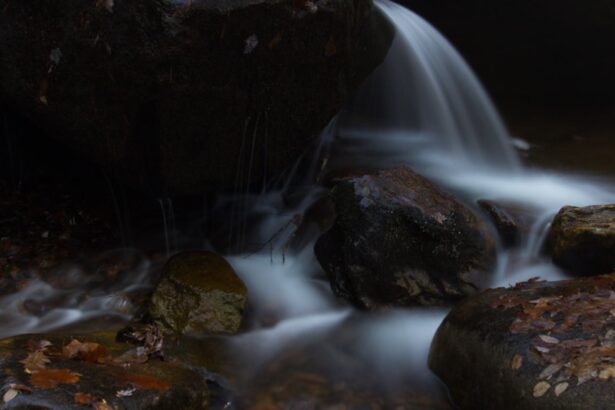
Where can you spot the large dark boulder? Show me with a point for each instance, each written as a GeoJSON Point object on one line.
{"type": "Point", "coordinates": [539, 345]}
{"type": "Point", "coordinates": [582, 240]}
{"type": "Point", "coordinates": [182, 97]}
{"type": "Point", "coordinates": [399, 240]}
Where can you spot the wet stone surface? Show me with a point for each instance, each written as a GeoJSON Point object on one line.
{"type": "Point", "coordinates": [582, 240]}
{"type": "Point", "coordinates": [539, 345]}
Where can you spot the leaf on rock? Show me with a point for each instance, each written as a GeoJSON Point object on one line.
{"type": "Point", "coordinates": [35, 361]}
{"type": "Point", "coordinates": [102, 405]}
{"type": "Point", "coordinates": [34, 345]}
{"type": "Point", "coordinates": [143, 381]}
{"type": "Point", "coordinates": [607, 373]}
{"type": "Point", "coordinates": [88, 351]}
{"type": "Point", "coordinates": [541, 388]}
{"type": "Point", "coordinates": [84, 398]}
{"type": "Point", "coordinates": [10, 395]}
{"type": "Point", "coordinates": [516, 362]}
{"type": "Point", "coordinates": [126, 392]}
{"type": "Point", "coordinates": [52, 378]}
{"type": "Point", "coordinates": [550, 370]}
{"type": "Point", "coordinates": [21, 388]}
{"type": "Point", "coordinates": [560, 388]}
{"type": "Point", "coordinates": [549, 339]}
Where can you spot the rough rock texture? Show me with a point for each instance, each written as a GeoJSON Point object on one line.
{"type": "Point", "coordinates": [199, 293]}
{"type": "Point", "coordinates": [156, 384]}
{"type": "Point", "coordinates": [582, 240]}
{"type": "Point", "coordinates": [181, 99]}
{"type": "Point", "coordinates": [539, 345]}
{"type": "Point", "coordinates": [399, 240]}
{"type": "Point", "coordinates": [511, 221]}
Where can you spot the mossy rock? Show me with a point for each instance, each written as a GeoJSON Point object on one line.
{"type": "Point", "coordinates": [582, 240]}
{"type": "Point", "coordinates": [199, 293]}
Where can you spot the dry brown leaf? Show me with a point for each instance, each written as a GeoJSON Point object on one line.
{"type": "Point", "coordinates": [52, 378]}
{"type": "Point", "coordinates": [36, 360]}
{"type": "Point", "coordinates": [607, 373]}
{"type": "Point", "coordinates": [560, 388]}
{"type": "Point", "coordinates": [102, 405]}
{"type": "Point", "coordinates": [34, 345]}
{"type": "Point", "coordinates": [10, 395]}
{"type": "Point", "coordinates": [550, 370]}
{"type": "Point", "coordinates": [88, 351]}
{"type": "Point", "coordinates": [516, 362]}
{"type": "Point", "coordinates": [541, 388]}
{"type": "Point", "coordinates": [143, 381]}
{"type": "Point", "coordinates": [21, 388]}
{"type": "Point", "coordinates": [549, 339]}
{"type": "Point", "coordinates": [84, 398]}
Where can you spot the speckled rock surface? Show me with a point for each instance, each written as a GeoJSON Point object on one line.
{"type": "Point", "coordinates": [582, 240]}
{"type": "Point", "coordinates": [399, 240]}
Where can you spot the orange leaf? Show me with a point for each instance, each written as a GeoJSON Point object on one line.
{"type": "Point", "coordinates": [52, 378]}
{"type": "Point", "coordinates": [83, 398]}
{"type": "Point", "coordinates": [517, 362]}
{"type": "Point", "coordinates": [88, 351]}
{"type": "Point", "coordinates": [143, 381]}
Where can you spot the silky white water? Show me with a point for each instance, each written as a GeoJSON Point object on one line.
{"type": "Point", "coordinates": [423, 107]}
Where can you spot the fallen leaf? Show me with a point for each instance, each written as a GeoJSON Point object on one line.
{"type": "Point", "coordinates": [549, 339]}
{"type": "Point", "coordinates": [550, 370]}
{"type": "Point", "coordinates": [52, 378]}
{"type": "Point", "coordinates": [608, 373]}
{"type": "Point", "coordinates": [143, 381]}
{"type": "Point", "coordinates": [560, 388]}
{"type": "Point", "coordinates": [10, 395]}
{"type": "Point", "coordinates": [516, 362]}
{"type": "Point", "coordinates": [102, 405]}
{"type": "Point", "coordinates": [36, 360]}
{"type": "Point", "coordinates": [21, 388]}
{"type": "Point", "coordinates": [84, 398]}
{"type": "Point", "coordinates": [125, 392]}
{"type": "Point", "coordinates": [34, 345]}
{"type": "Point", "coordinates": [541, 388]}
{"type": "Point", "coordinates": [88, 351]}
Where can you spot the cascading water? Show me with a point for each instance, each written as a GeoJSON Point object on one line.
{"type": "Point", "coordinates": [423, 108]}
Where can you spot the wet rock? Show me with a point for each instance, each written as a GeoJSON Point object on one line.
{"type": "Point", "coordinates": [582, 240]}
{"type": "Point", "coordinates": [512, 221]}
{"type": "Point", "coordinates": [199, 293]}
{"type": "Point", "coordinates": [177, 97]}
{"type": "Point", "coordinates": [539, 345]}
{"type": "Point", "coordinates": [398, 240]}
{"type": "Point", "coordinates": [72, 383]}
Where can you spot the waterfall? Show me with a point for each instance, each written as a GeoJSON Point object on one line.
{"type": "Point", "coordinates": [427, 99]}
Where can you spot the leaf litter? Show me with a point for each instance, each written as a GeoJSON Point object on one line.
{"type": "Point", "coordinates": [574, 331]}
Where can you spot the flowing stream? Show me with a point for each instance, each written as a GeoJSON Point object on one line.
{"type": "Point", "coordinates": [423, 107]}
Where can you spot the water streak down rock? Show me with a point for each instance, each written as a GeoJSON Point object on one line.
{"type": "Point", "coordinates": [185, 97]}
{"type": "Point", "coordinates": [399, 240]}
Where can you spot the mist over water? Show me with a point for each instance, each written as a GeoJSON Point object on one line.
{"type": "Point", "coordinates": [423, 108]}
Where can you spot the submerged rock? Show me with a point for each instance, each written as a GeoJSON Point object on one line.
{"type": "Point", "coordinates": [539, 345]}
{"type": "Point", "coordinates": [399, 240]}
{"type": "Point", "coordinates": [512, 221]}
{"type": "Point", "coordinates": [582, 240]}
{"type": "Point", "coordinates": [178, 97]}
{"type": "Point", "coordinates": [199, 293]}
